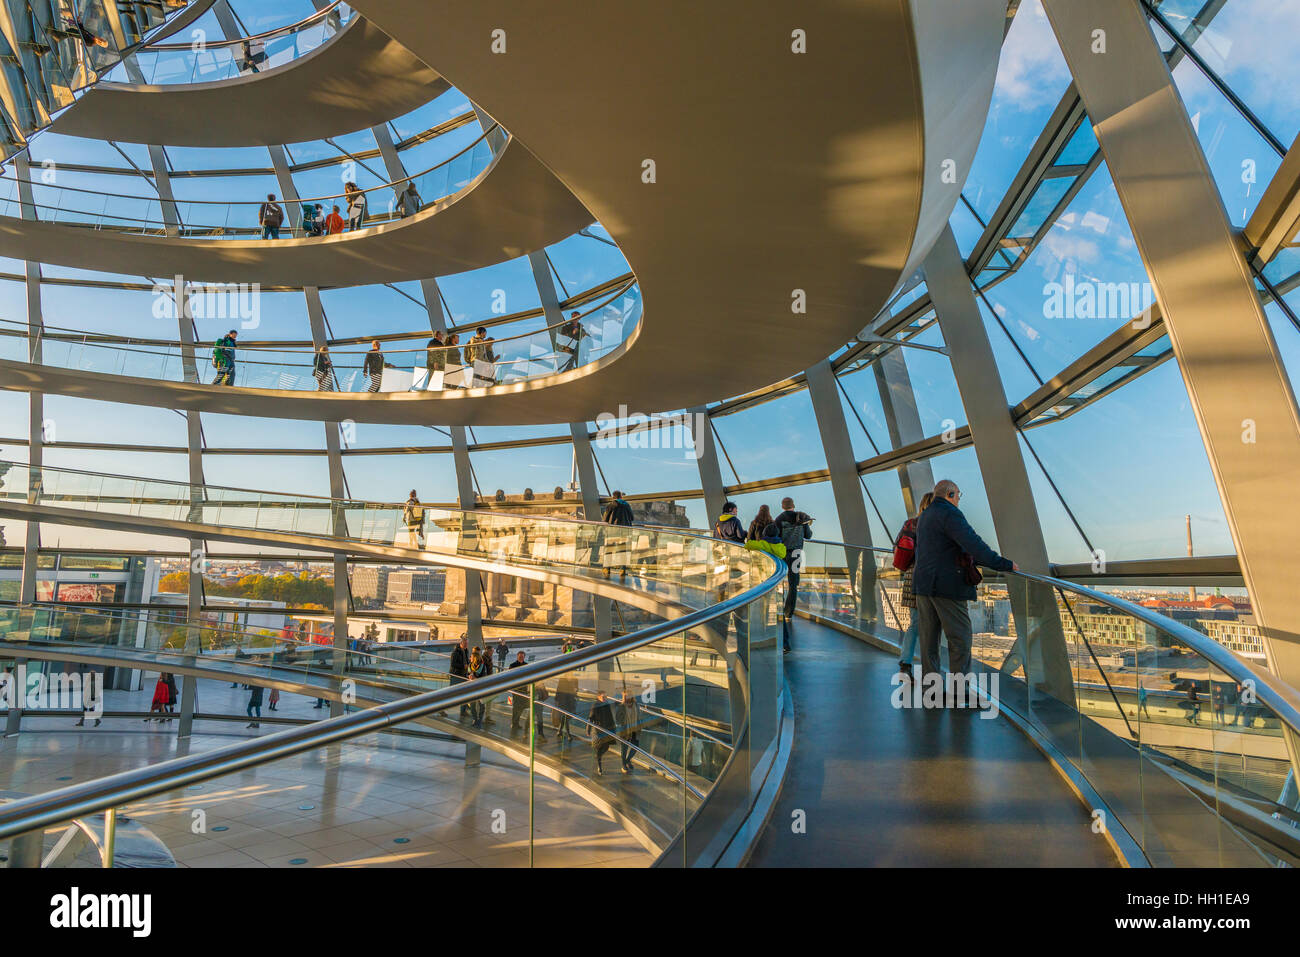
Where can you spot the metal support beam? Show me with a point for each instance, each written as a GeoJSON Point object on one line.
{"type": "Point", "coordinates": [1238, 387]}
{"type": "Point", "coordinates": [1040, 636]}
{"type": "Point", "coordinates": [855, 529]}
{"type": "Point", "coordinates": [226, 19]}
{"type": "Point", "coordinates": [550, 299]}
{"type": "Point", "coordinates": [166, 197]}
{"type": "Point", "coordinates": [602, 609]}
{"type": "Point", "coordinates": [35, 426]}
{"type": "Point", "coordinates": [468, 501]}
{"type": "Point", "coordinates": [1276, 219]}
{"type": "Point", "coordinates": [706, 455]}
{"type": "Point", "coordinates": [904, 423]}
{"type": "Point", "coordinates": [198, 548]}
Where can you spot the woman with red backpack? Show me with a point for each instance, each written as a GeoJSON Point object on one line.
{"type": "Point", "coordinates": [905, 561]}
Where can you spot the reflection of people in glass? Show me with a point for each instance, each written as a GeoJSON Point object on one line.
{"type": "Point", "coordinates": [572, 332]}
{"type": "Point", "coordinates": [1192, 705]}
{"type": "Point", "coordinates": [1142, 700]}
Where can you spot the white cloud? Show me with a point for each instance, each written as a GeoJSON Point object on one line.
{"type": "Point", "coordinates": [1031, 65]}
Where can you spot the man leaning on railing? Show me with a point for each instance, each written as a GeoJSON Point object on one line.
{"type": "Point", "coordinates": [945, 576]}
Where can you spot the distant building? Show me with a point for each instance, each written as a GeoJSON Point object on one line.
{"type": "Point", "coordinates": [1102, 624]}
{"type": "Point", "coordinates": [1240, 636]}
{"type": "Point", "coordinates": [370, 583]}
{"type": "Point", "coordinates": [416, 587]}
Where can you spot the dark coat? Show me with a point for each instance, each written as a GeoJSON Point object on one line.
{"type": "Point", "coordinates": [942, 535]}
{"type": "Point", "coordinates": [602, 715]}
{"type": "Point", "coordinates": [618, 512]}
{"type": "Point", "coordinates": [373, 364]}
{"type": "Point", "coordinates": [729, 529]}
{"type": "Point", "coordinates": [459, 661]}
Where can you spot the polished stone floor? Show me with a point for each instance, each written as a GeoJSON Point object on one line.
{"type": "Point", "coordinates": [875, 785]}
{"type": "Point", "coordinates": [382, 801]}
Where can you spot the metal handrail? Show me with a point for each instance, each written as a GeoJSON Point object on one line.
{"type": "Point", "coordinates": [43, 810]}
{"type": "Point", "coordinates": [310, 352]}
{"type": "Point", "coordinates": [296, 500]}
{"type": "Point", "coordinates": [300, 201]}
{"type": "Point", "coordinates": [604, 292]}
{"type": "Point", "coordinates": [1275, 693]}
{"type": "Point", "coordinates": [267, 35]}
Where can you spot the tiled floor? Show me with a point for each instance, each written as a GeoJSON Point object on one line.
{"type": "Point", "coordinates": [380, 802]}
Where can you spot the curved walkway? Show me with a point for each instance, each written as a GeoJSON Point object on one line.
{"type": "Point", "coordinates": [513, 206]}
{"type": "Point", "coordinates": [889, 787]}
{"type": "Point", "coordinates": [360, 78]}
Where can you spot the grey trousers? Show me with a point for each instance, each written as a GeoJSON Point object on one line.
{"type": "Point", "coordinates": [952, 617]}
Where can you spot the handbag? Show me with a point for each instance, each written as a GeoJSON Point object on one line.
{"type": "Point", "coordinates": [970, 573]}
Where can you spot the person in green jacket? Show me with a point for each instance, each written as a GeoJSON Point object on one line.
{"type": "Point", "coordinates": [223, 357]}
{"type": "Point", "coordinates": [772, 544]}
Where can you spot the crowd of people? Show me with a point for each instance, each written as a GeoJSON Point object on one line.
{"type": "Point", "coordinates": [782, 537]}
{"type": "Point", "coordinates": [447, 364]}
{"type": "Point", "coordinates": [314, 222]}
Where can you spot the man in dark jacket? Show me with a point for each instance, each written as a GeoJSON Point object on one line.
{"type": "Point", "coordinates": [601, 724]}
{"type": "Point", "coordinates": [518, 696]}
{"type": "Point", "coordinates": [943, 537]}
{"type": "Point", "coordinates": [728, 527]}
{"type": "Point", "coordinates": [459, 667]}
{"type": "Point", "coordinates": [795, 527]}
{"type": "Point", "coordinates": [618, 512]}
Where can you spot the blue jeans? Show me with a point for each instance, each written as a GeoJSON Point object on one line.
{"type": "Point", "coordinates": [269, 230]}
{"type": "Point", "coordinates": [907, 649]}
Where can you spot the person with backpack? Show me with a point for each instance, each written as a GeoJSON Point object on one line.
{"type": "Point", "coordinates": [373, 366]}
{"type": "Point", "coordinates": [408, 201]}
{"type": "Point", "coordinates": [223, 357]}
{"type": "Point", "coordinates": [312, 223]}
{"type": "Point", "coordinates": [794, 528]}
{"type": "Point", "coordinates": [618, 512]}
{"type": "Point", "coordinates": [270, 217]}
{"type": "Point", "coordinates": [728, 527]}
{"type": "Point", "coordinates": [572, 331]}
{"type": "Point", "coordinates": [905, 561]}
{"type": "Point", "coordinates": [945, 576]}
{"type": "Point", "coordinates": [413, 518]}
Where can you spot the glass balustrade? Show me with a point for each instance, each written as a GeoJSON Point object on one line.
{"type": "Point", "coordinates": [201, 61]}
{"type": "Point", "coordinates": [552, 350]}
{"type": "Point", "coordinates": [670, 735]}
{"type": "Point", "coordinates": [218, 219]}
{"type": "Point", "coordinates": [682, 570]}
{"type": "Point", "coordinates": [1163, 723]}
